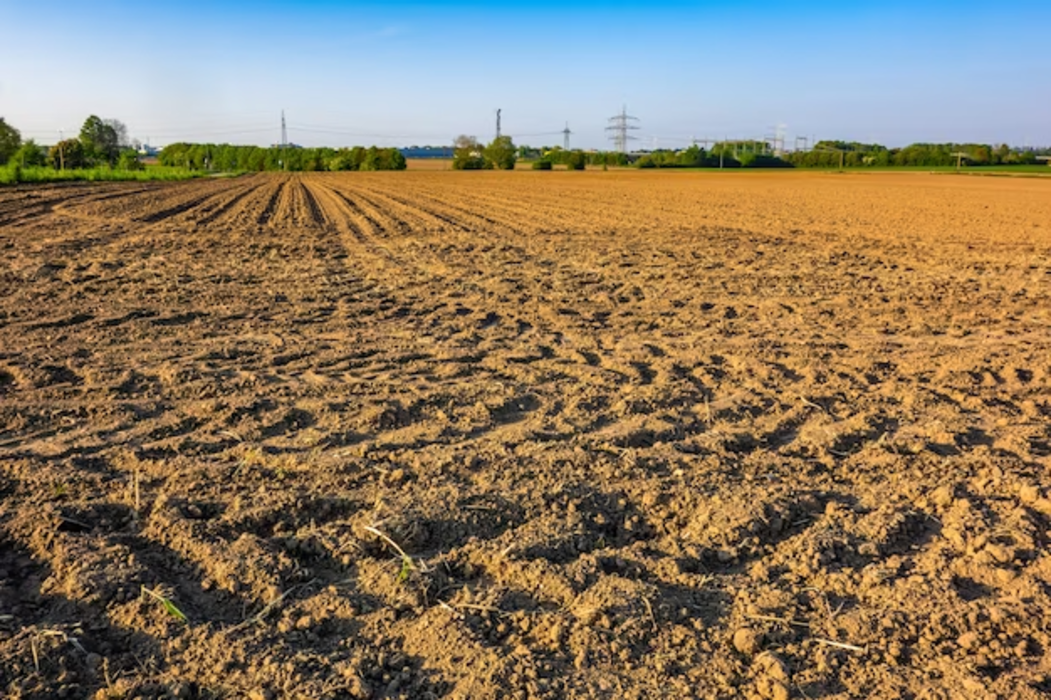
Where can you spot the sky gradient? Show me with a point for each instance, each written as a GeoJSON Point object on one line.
{"type": "Point", "coordinates": [401, 74]}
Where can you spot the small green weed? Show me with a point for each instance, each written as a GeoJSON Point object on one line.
{"type": "Point", "coordinates": [169, 606]}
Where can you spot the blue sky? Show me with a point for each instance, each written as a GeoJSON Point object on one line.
{"type": "Point", "coordinates": [402, 73]}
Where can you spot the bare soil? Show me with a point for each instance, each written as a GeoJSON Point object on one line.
{"type": "Point", "coordinates": [526, 435]}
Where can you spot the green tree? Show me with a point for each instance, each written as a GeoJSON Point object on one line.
{"type": "Point", "coordinates": [692, 157]}
{"type": "Point", "coordinates": [10, 140]}
{"type": "Point", "coordinates": [129, 160]}
{"type": "Point", "coordinates": [121, 132]}
{"type": "Point", "coordinates": [372, 159]}
{"type": "Point", "coordinates": [501, 154]}
{"type": "Point", "coordinates": [396, 160]}
{"type": "Point", "coordinates": [29, 155]}
{"type": "Point", "coordinates": [100, 140]}
{"type": "Point", "coordinates": [68, 154]}
{"type": "Point", "coordinates": [574, 160]}
{"type": "Point", "coordinates": [343, 160]}
{"type": "Point", "coordinates": [467, 154]}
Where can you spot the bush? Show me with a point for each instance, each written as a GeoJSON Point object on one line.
{"type": "Point", "coordinates": [646, 162]}
{"type": "Point", "coordinates": [575, 160]}
{"type": "Point", "coordinates": [129, 160]}
{"type": "Point", "coordinates": [542, 165]}
{"type": "Point", "coordinates": [11, 174]}
{"type": "Point", "coordinates": [471, 160]}
{"type": "Point", "coordinates": [753, 160]}
{"type": "Point", "coordinates": [30, 155]}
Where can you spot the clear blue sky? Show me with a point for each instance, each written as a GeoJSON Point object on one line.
{"type": "Point", "coordinates": [399, 74]}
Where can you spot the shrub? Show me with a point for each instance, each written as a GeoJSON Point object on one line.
{"type": "Point", "coordinates": [542, 165]}
{"type": "Point", "coordinates": [468, 161]}
{"type": "Point", "coordinates": [13, 173]}
{"type": "Point", "coordinates": [129, 160]}
{"type": "Point", "coordinates": [575, 160]}
{"type": "Point", "coordinates": [755, 160]}
{"type": "Point", "coordinates": [30, 155]}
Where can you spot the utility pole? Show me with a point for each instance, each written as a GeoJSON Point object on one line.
{"type": "Point", "coordinates": [61, 150]}
{"type": "Point", "coordinates": [565, 137]}
{"type": "Point", "coordinates": [619, 126]}
{"type": "Point", "coordinates": [284, 140]}
{"type": "Point", "coordinates": [498, 123]}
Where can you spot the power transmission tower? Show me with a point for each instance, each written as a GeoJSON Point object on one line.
{"type": "Point", "coordinates": [498, 123]}
{"type": "Point", "coordinates": [619, 126]}
{"type": "Point", "coordinates": [565, 137]}
{"type": "Point", "coordinates": [801, 140]}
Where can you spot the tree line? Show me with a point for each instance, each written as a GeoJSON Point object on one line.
{"type": "Point", "coordinates": [229, 158]}
{"type": "Point", "coordinates": [104, 143]}
{"type": "Point", "coordinates": [827, 154]}
{"type": "Point", "coordinates": [835, 154]}
{"type": "Point", "coordinates": [502, 154]}
{"type": "Point", "coordinates": [101, 143]}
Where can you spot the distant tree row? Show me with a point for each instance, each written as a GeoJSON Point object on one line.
{"type": "Point", "coordinates": [741, 154]}
{"type": "Point", "coordinates": [831, 154]}
{"type": "Point", "coordinates": [826, 154]}
{"type": "Point", "coordinates": [226, 157]}
{"type": "Point", "coordinates": [102, 142]}
{"type": "Point", "coordinates": [576, 159]}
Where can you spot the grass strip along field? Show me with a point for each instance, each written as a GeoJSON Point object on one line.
{"type": "Point", "coordinates": [526, 435]}
{"type": "Point", "coordinates": [12, 174]}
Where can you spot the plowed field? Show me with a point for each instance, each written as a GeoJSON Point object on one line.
{"type": "Point", "coordinates": [526, 435]}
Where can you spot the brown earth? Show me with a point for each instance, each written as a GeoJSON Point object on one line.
{"type": "Point", "coordinates": [526, 435]}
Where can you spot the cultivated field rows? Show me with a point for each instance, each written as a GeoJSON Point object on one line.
{"type": "Point", "coordinates": [533, 435]}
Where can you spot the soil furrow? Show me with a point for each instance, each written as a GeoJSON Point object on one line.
{"type": "Point", "coordinates": [191, 203]}
{"type": "Point", "coordinates": [271, 206]}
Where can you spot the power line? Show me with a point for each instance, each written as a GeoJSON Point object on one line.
{"type": "Point", "coordinates": [566, 133]}
{"type": "Point", "coordinates": [539, 133]}
{"type": "Point", "coordinates": [619, 126]}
